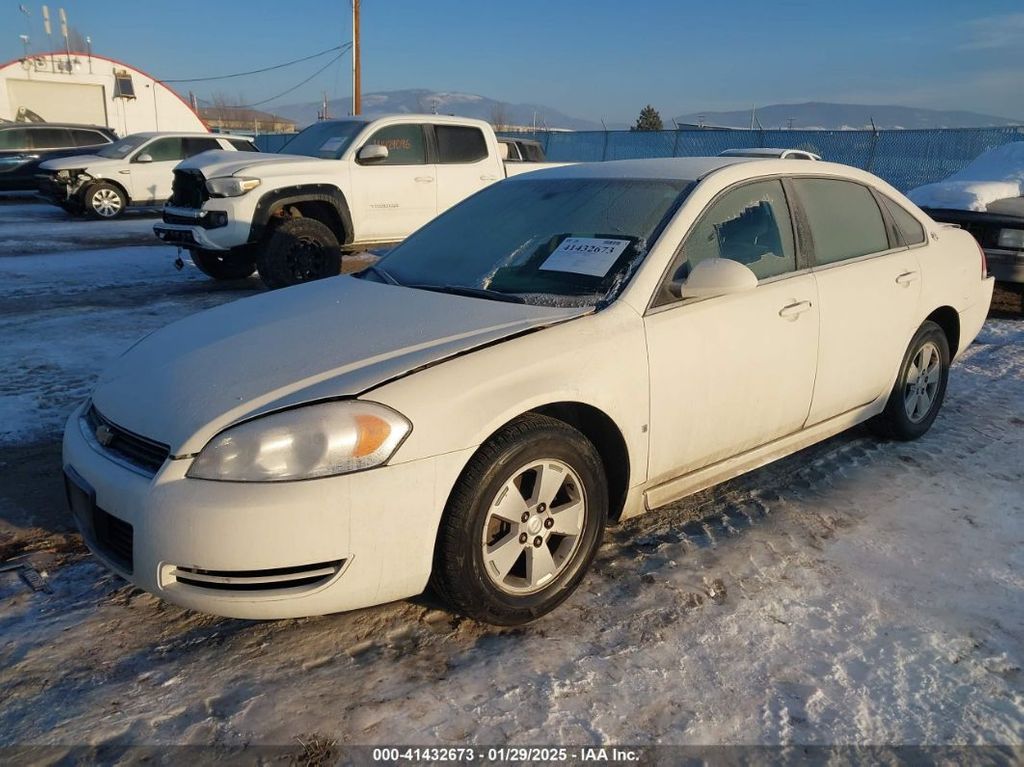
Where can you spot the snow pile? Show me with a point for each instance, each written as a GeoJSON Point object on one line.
{"type": "Point", "coordinates": [994, 175]}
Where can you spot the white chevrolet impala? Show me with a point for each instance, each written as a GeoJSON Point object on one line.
{"type": "Point", "coordinates": [564, 349]}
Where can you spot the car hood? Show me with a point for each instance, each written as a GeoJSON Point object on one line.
{"type": "Point", "coordinates": [219, 163]}
{"type": "Point", "coordinates": [79, 161]}
{"type": "Point", "coordinates": [338, 337]}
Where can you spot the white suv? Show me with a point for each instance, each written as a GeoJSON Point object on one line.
{"type": "Point", "coordinates": [136, 171]}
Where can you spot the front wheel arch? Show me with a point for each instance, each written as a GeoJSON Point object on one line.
{"type": "Point", "coordinates": [323, 202]}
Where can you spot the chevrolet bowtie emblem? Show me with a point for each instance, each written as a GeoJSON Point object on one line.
{"type": "Point", "coordinates": [104, 434]}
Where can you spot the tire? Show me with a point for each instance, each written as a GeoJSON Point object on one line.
{"type": "Point", "coordinates": [214, 265]}
{"type": "Point", "coordinates": [474, 546]}
{"type": "Point", "coordinates": [914, 404]}
{"type": "Point", "coordinates": [104, 201]}
{"type": "Point", "coordinates": [299, 250]}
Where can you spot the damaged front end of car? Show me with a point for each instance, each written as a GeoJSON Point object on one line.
{"type": "Point", "coordinates": [64, 187]}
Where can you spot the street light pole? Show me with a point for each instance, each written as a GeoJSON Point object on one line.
{"type": "Point", "coordinates": [357, 90]}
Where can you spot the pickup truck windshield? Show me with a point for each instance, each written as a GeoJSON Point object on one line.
{"type": "Point", "coordinates": [121, 149]}
{"type": "Point", "coordinates": [326, 140]}
{"type": "Point", "coordinates": [547, 241]}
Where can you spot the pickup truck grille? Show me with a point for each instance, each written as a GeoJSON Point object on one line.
{"type": "Point", "coordinates": [188, 189]}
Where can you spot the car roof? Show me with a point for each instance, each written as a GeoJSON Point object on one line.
{"type": "Point", "coordinates": [696, 168]}
{"type": "Point", "coordinates": [678, 168]}
{"type": "Point", "coordinates": [182, 134]}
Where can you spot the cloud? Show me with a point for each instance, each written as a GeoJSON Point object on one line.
{"type": "Point", "coordinates": [995, 33]}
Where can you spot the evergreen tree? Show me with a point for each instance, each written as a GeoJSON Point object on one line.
{"type": "Point", "coordinates": [649, 119]}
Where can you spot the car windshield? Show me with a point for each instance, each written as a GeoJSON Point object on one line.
{"type": "Point", "coordinates": [564, 242]}
{"type": "Point", "coordinates": [121, 149]}
{"type": "Point", "coordinates": [326, 140]}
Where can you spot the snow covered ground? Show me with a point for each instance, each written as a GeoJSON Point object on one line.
{"type": "Point", "coordinates": [859, 592]}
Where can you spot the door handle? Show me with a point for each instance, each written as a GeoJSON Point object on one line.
{"type": "Point", "coordinates": [488, 178]}
{"type": "Point", "coordinates": [906, 278]}
{"type": "Point", "coordinates": [424, 179]}
{"type": "Point", "coordinates": [792, 311]}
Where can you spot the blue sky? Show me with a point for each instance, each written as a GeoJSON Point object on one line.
{"type": "Point", "coordinates": [588, 58]}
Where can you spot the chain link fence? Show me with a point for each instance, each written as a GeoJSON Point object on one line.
{"type": "Point", "coordinates": [904, 158]}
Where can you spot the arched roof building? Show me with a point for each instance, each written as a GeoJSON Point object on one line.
{"type": "Point", "coordinates": [90, 89]}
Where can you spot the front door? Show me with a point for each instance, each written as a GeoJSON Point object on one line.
{"type": "Point", "coordinates": [396, 195]}
{"type": "Point", "coordinates": [731, 373]}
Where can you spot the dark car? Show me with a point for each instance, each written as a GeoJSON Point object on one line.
{"type": "Point", "coordinates": [23, 146]}
{"type": "Point", "coordinates": [522, 150]}
{"type": "Point", "coordinates": [999, 230]}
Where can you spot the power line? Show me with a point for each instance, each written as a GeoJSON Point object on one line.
{"type": "Point", "coordinates": [341, 48]}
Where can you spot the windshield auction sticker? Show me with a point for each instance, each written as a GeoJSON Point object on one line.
{"type": "Point", "coordinates": [585, 255]}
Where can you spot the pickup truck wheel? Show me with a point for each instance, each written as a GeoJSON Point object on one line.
{"type": "Point", "coordinates": [105, 201]}
{"type": "Point", "coordinates": [212, 264]}
{"type": "Point", "coordinates": [299, 250]}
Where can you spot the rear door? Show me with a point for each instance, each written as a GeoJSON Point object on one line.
{"type": "Point", "coordinates": [868, 288]}
{"type": "Point", "coordinates": [464, 165]}
{"type": "Point", "coordinates": [397, 195]}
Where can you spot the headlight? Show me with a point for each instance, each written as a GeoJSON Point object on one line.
{"type": "Point", "coordinates": [310, 441]}
{"type": "Point", "coordinates": [1011, 238]}
{"type": "Point", "coordinates": [231, 186]}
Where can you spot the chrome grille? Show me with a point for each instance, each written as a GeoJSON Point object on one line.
{"type": "Point", "coordinates": [141, 453]}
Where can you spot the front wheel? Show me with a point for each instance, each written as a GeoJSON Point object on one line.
{"type": "Point", "coordinates": [920, 388]}
{"type": "Point", "coordinates": [214, 265]}
{"type": "Point", "coordinates": [299, 250]}
{"type": "Point", "coordinates": [522, 524]}
{"type": "Point", "coordinates": [105, 201]}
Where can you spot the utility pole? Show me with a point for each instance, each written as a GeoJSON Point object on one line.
{"type": "Point", "coordinates": [357, 88]}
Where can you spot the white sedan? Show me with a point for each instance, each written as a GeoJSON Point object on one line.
{"type": "Point", "coordinates": [564, 349]}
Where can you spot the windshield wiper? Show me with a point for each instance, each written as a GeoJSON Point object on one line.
{"type": "Point", "coordinates": [374, 269]}
{"type": "Point", "coordinates": [461, 290]}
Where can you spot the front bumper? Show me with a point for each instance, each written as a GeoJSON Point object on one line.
{"type": "Point", "coordinates": [215, 226]}
{"type": "Point", "coordinates": [232, 548]}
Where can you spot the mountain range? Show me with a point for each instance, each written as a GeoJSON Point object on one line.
{"type": "Point", "coordinates": [423, 101]}
{"type": "Point", "coordinates": [820, 115]}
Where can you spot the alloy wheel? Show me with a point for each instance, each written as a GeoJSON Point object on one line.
{"type": "Point", "coordinates": [106, 203]}
{"type": "Point", "coordinates": [922, 382]}
{"type": "Point", "coordinates": [534, 527]}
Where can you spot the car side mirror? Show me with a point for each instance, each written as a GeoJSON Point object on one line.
{"type": "Point", "coordinates": [717, 277]}
{"type": "Point", "coordinates": [373, 153]}
{"type": "Point", "coordinates": [144, 157]}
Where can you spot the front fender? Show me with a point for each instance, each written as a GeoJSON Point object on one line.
{"type": "Point", "coordinates": [277, 198]}
{"type": "Point", "coordinates": [598, 360]}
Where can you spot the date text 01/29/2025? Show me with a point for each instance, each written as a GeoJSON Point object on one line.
{"type": "Point", "coordinates": [500, 754]}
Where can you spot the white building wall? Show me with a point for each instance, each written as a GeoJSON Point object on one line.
{"type": "Point", "coordinates": [84, 93]}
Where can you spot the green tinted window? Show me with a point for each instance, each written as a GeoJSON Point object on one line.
{"type": "Point", "coordinates": [844, 219]}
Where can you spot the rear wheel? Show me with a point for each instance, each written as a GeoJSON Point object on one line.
{"type": "Point", "coordinates": [215, 265]}
{"type": "Point", "coordinates": [523, 523]}
{"type": "Point", "coordinates": [920, 388]}
{"type": "Point", "coordinates": [105, 201]}
{"type": "Point", "coordinates": [299, 250]}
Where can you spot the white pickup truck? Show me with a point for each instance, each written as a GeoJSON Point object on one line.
{"type": "Point", "coordinates": [339, 185]}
